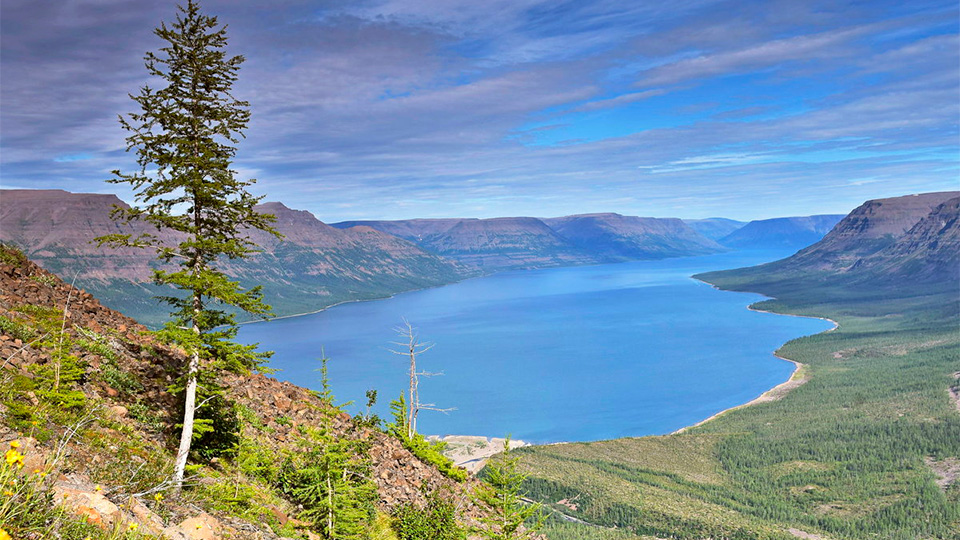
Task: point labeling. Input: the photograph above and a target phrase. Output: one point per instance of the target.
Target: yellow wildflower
(132, 527)
(4, 535)
(158, 497)
(12, 456)
(8, 493)
(14, 444)
(97, 488)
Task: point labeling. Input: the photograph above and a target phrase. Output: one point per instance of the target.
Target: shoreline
(777, 392)
(342, 302)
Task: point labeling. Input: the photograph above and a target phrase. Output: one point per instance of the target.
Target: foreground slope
(866, 444)
(104, 440)
(312, 267)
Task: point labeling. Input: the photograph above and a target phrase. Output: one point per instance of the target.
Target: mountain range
(314, 266)
(317, 265)
(526, 242)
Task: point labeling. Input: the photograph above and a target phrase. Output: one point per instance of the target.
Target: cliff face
(928, 252)
(793, 232)
(869, 228)
(312, 267)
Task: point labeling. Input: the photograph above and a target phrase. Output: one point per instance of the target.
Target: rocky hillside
(908, 243)
(927, 252)
(869, 228)
(525, 242)
(314, 266)
(103, 439)
(793, 232)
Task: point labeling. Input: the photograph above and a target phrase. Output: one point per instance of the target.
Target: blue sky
(412, 108)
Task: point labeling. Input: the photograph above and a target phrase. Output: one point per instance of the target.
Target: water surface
(561, 354)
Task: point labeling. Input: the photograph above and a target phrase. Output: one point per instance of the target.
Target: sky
(392, 109)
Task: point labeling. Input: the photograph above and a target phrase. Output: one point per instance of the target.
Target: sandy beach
(797, 378)
(472, 452)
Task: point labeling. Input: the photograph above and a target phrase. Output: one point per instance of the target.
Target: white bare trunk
(189, 407)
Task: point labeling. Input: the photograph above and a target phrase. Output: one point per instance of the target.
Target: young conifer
(184, 137)
(512, 518)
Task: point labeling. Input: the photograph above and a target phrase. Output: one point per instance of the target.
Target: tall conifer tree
(184, 137)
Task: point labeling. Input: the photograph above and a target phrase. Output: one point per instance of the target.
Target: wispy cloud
(402, 108)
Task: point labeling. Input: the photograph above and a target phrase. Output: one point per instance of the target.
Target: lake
(561, 354)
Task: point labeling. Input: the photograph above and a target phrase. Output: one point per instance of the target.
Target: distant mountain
(314, 266)
(414, 230)
(714, 228)
(525, 242)
(896, 247)
(794, 232)
(613, 237)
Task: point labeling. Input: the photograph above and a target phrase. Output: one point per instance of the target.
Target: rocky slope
(872, 226)
(795, 232)
(908, 243)
(129, 416)
(312, 267)
(927, 252)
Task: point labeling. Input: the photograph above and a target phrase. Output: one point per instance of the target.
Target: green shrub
(124, 382)
(16, 329)
(150, 419)
(46, 279)
(431, 453)
(435, 521)
(12, 256)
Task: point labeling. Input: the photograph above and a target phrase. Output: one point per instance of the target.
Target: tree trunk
(411, 418)
(189, 408)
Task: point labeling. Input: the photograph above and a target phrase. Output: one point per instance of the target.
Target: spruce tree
(329, 475)
(511, 518)
(185, 135)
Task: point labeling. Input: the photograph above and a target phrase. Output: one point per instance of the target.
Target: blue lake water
(561, 354)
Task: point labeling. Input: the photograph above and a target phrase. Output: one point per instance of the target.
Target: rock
(148, 519)
(90, 505)
(201, 527)
(119, 411)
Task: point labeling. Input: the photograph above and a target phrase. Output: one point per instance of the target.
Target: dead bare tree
(411, 347)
